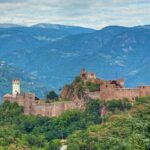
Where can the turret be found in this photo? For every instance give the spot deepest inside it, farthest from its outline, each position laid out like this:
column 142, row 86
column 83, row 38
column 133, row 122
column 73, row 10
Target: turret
column 83, row 74
column 15, row 87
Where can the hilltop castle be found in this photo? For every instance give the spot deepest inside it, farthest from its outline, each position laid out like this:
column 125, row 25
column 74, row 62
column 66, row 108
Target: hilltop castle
column 34, row 106
column 108, row 90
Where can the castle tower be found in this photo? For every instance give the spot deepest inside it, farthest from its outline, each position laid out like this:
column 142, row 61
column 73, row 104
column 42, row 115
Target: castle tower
column 83, row 74
column 15, row 87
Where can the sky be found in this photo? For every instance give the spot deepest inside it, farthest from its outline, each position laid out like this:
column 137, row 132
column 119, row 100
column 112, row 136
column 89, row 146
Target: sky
column 88, row 13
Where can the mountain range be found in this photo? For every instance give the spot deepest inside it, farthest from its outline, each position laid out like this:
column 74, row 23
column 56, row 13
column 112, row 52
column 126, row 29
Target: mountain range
column 52, row 55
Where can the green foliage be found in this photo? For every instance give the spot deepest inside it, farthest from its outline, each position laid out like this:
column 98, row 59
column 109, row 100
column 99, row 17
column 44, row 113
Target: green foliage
column 118, row 105
column 55, row 145
column 80, row 90
column 128, row 130
column 78, row 79
column 93, row 86
column 78, row 86
column 125, row 131
column 18, row 131
column 52, row 96
column 142, row 100
column 93, row 108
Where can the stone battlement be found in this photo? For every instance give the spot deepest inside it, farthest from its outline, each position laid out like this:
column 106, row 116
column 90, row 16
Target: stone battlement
column 40, row 107
column 87, row 75
column 109, row 89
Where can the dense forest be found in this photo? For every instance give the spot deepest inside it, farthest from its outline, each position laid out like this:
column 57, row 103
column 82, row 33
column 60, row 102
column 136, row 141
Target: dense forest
column 125, row 127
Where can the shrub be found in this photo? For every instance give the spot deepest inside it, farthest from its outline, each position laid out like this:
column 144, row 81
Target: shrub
column 93, row 108
column 93, row 86
column 52, row 95
column 121, row 105
column 142, row 100
column 78, row 79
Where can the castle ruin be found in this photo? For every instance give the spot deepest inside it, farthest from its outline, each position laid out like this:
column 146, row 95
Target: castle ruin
column 109, row 89
column 114, row 89
column 34, row 106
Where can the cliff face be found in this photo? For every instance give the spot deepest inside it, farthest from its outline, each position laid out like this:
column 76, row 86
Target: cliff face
column 81, row 90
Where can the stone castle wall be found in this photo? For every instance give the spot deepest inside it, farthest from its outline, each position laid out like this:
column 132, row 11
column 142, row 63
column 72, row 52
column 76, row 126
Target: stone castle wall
column 39, row 107
column 94, row 95
column 110, row 89
column 109, row 92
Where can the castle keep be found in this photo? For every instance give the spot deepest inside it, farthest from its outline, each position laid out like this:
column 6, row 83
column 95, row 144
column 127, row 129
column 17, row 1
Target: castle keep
column 108, row 90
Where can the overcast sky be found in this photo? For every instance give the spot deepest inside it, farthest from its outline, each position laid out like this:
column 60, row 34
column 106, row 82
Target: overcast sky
column 88, row 13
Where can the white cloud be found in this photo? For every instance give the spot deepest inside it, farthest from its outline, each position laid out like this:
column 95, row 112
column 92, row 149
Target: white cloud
column 90, row 13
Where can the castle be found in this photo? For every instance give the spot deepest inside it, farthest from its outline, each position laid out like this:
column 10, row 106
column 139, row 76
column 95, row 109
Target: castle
column 113, row 89
column 34, row 106
column 109, row 89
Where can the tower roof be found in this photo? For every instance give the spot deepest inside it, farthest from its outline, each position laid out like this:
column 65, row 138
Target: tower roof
column 7, row 95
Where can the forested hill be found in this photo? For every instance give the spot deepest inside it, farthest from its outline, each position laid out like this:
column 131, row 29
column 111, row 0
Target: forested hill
column 124, row 131
column 125, row 127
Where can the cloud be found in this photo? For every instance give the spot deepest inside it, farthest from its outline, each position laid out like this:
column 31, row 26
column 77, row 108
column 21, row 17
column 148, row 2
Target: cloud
column 11, row 1
column 90, row 13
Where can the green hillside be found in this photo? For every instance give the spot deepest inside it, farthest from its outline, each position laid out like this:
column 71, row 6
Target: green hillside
column 124, row 131
column 125, row 127
column 18, row 131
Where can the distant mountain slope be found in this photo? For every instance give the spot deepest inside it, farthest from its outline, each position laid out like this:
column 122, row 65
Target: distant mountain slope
column 13, row 37
column 9, row 25
column 28, row 82
column 112, row 52
column 68, row 29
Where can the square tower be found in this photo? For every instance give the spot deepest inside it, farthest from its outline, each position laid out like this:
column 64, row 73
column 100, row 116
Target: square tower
column 15, row 87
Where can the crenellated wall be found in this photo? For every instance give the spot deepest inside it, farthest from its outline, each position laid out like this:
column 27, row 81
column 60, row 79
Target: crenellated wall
column 39, row 107
column 110, row 89
column 144, row 91
column 109, row 92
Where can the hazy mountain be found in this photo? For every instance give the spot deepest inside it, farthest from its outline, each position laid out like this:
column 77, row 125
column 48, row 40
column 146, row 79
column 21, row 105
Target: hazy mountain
column 111, row 52
column 19, row 42
column 9, row 25
column 68, row 29
column 29, row 38
column 28, row 81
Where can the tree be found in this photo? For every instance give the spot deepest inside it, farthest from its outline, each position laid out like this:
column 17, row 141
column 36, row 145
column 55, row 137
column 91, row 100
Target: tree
column 55, row 144
column 119, row 105
column 78, row 79
column 93, row 108
column 52, row 95
column 93, row 86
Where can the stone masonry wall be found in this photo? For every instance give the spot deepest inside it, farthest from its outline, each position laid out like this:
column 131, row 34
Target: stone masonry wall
column 38, row 107
column 109, row 92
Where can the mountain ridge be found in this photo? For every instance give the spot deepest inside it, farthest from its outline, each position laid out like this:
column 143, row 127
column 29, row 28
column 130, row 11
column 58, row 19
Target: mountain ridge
column 111, row 52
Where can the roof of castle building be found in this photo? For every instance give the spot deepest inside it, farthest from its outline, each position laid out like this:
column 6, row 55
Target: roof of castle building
column 8, row 95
